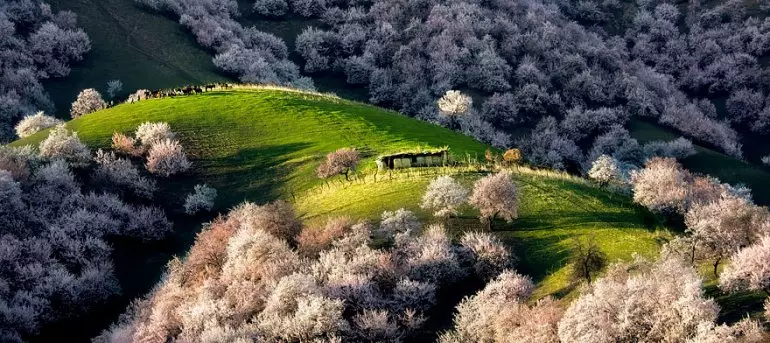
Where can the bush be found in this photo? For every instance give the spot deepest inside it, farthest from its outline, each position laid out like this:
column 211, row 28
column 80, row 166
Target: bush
column 88, row 101
column 201, row 199
column 65, row 145
column 167, row 158
column 34, row 123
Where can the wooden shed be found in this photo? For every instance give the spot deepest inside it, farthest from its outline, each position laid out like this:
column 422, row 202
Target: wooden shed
column 435, row 158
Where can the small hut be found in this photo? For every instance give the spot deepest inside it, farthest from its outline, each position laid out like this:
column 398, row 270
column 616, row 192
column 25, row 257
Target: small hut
column 431, row 158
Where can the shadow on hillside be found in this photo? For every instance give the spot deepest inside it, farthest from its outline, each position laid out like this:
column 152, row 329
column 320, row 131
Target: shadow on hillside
column 257, row 174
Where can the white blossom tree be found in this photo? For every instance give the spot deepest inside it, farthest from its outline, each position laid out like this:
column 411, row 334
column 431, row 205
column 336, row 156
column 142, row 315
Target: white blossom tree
column 149, row 134
column 443, row 196
column 201, row 199
column 749, row 269
column 167, row 158
column 61, row 143
column 454, row 104
column 34, row 123
column 665, row 297
column 605, row 170
column 662, row 185
column 722, row 227
column 88, row 101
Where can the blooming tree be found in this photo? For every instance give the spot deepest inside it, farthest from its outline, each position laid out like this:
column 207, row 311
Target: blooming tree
column 721, row 227
column 662, row 185
column 605, row 170
column 113, row 88
column 443, row 196
column 34, row 123
column 495, row 195
column 454, row 103
column 342, row 161
column 88, row 101
column 167, row 158
column 149, row 134
column 120, row 174
column 60, row 143
column 749, row 269
column 666, row 298
column 201, row 199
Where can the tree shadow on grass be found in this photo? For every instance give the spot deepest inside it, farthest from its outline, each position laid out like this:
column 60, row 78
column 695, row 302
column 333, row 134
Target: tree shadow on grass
column 256, row 174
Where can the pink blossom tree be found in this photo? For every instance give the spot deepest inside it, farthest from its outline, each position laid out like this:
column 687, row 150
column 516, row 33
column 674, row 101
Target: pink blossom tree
column 662, row 185
column 342, row 161
column 749, row 269
column 495, row 196
column 722, row 227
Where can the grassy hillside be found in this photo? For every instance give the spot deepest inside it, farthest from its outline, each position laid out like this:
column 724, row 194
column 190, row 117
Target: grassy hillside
column 265, row 144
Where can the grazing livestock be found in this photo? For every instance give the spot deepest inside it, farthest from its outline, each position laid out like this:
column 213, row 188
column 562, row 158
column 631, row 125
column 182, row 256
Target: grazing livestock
column 210, row 87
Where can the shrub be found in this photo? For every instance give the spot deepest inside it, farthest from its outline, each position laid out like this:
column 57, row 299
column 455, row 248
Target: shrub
column 167, row 158
column 444, row 195
column 34, row 123
column 88, row 101
column 65, row 145
column 149, row 134
column 512, row 156
column 201, row 199
column 495, row 195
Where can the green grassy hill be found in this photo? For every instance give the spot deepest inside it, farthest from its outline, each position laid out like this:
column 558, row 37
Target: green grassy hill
column 263, row 144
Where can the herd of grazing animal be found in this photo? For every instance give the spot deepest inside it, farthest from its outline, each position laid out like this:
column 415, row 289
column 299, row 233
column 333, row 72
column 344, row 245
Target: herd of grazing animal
column 144, row 94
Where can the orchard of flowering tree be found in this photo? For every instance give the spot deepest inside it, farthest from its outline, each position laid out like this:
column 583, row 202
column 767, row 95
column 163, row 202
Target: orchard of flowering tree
column 592, row 184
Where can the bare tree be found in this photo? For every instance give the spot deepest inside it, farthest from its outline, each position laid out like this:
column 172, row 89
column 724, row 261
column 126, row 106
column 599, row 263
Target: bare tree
column 587, row 259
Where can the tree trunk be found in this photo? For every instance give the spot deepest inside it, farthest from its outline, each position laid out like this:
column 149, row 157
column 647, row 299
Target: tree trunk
column 716, row 265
